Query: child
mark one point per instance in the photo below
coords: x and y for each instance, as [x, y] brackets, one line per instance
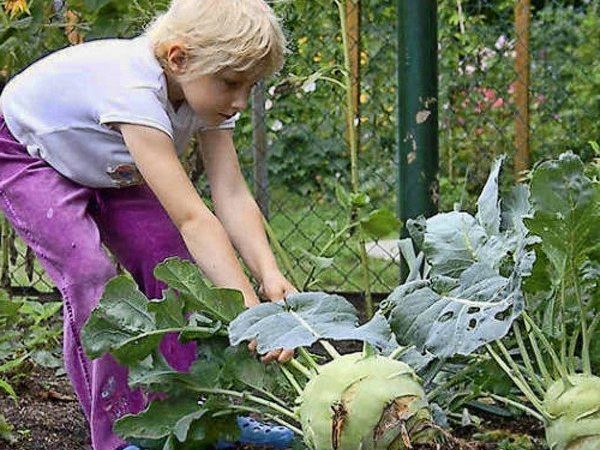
[89, 145]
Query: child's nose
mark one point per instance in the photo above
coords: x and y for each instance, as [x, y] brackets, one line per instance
[240, 102]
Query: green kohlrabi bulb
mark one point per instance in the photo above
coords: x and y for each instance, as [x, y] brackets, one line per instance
[364, 402]
[575, 412]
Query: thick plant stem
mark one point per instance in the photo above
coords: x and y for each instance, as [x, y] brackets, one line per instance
[520, 406]
[274, 418]
[309, 359]
[527, 360]
[353, 142]
[330, 349]
[522, 386]
[563, 322]
[572, 348]
[585, 337]
[518, 374]
[540, 359]
[300, 368]
[585, 350]
[244, 396]
[559, 367]
[291, 379]
[398, 352]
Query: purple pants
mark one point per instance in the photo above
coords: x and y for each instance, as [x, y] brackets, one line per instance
[66, 225]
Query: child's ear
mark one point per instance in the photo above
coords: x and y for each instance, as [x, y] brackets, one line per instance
[177, 58]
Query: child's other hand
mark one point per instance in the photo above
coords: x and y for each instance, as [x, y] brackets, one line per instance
[274, 287]
[280, 355]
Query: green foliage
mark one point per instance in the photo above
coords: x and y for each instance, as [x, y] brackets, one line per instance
[470, 293]
[6, 431]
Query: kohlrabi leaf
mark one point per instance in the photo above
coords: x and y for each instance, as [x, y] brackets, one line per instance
[451, 242]
[304, 319]
[160, 419]
[567, 211]
[488, 204]
[218, 303]
[471, 293]
[480, 310]
[125, 323]
[182, 419]
[454, 241]
[516, 207]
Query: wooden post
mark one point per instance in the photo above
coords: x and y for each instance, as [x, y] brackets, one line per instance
[259, 137]
[353, 32]
[522, 22]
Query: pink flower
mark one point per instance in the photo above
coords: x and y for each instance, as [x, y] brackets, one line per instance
[499, 103]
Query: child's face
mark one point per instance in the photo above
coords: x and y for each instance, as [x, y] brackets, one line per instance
[217, 97]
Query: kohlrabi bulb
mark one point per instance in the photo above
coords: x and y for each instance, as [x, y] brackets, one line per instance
[575, 412]
[364, 402]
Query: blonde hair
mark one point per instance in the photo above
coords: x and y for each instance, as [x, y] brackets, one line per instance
[221, 34]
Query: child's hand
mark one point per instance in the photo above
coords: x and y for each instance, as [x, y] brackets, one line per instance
[274, 287]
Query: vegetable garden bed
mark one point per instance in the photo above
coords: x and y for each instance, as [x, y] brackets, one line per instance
[48, 417]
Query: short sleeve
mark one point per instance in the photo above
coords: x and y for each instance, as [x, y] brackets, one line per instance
[139, 106]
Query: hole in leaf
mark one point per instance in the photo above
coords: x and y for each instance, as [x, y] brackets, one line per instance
[472, 324]
[503, 315]
[473, 309]
[446, 316]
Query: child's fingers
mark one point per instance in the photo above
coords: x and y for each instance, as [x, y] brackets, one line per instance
[285, 356]
[271, 356]
[252, 346]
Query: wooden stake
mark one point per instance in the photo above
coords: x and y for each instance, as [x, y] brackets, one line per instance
[522, 22]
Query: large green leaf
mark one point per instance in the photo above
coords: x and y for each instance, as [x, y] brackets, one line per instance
[479, 310]
[184, 276]
[567, 211]
[124, 323]
[304, 319]
[488, 205]
[179, 422]
[470, 290]
[380, 223]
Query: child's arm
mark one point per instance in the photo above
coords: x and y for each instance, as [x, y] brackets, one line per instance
[237, 210]
[156, 158]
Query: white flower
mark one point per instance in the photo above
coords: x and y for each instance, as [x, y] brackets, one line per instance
[277, 125]
[272, 91]
[501, 42]
[309, 87]
[268, 104]
[470, 69]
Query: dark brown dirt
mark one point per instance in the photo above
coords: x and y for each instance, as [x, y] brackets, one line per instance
[47, 416]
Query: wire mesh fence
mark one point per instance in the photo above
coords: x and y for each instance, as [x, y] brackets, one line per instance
[488, 105]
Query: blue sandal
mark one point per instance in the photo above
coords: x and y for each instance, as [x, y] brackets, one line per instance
[256, 433]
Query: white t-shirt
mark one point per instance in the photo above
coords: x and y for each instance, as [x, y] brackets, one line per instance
[60, 108]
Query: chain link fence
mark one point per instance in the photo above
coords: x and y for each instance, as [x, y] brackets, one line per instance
[487, 106]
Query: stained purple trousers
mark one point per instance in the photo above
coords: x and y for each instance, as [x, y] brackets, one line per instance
[67, 225]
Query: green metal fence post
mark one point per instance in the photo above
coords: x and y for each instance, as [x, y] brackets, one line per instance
[417, 108]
